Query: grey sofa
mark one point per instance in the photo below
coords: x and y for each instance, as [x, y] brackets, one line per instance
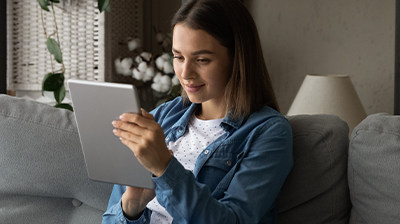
[43, 176]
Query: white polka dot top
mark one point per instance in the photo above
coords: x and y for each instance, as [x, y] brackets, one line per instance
[198, 135]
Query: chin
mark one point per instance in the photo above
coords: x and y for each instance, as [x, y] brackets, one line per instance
[195, 99]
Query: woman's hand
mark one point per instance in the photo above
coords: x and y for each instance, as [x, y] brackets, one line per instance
[145, 137]
[134, 201]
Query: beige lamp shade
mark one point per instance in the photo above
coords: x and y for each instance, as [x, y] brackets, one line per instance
[329, 94]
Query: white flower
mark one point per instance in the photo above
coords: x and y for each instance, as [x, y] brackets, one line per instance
[118, 67]
[146, 55]
[165, 56]
[157, 78]
[168, 68]
[162, 83]
[160, 63]
[123, 67]
[137, 74]
[149, 74]
[138, 59]
[175, 80]
[127, 63]
[156, 86]
[143, 66]
[134, 44]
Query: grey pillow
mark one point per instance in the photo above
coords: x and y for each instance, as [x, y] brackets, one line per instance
[316, 190]
[43, 177]
[374, 170]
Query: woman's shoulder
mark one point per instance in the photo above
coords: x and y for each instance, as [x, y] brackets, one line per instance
[268, 118]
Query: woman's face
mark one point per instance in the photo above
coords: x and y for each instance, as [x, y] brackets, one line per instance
[201, 64]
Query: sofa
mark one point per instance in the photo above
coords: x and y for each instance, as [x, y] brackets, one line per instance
[334, 180]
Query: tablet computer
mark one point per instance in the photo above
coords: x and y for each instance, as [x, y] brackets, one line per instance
[96, 105]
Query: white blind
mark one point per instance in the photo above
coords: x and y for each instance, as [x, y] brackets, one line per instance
[81, 43]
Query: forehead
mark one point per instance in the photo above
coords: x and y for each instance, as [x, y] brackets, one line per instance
[188, 40]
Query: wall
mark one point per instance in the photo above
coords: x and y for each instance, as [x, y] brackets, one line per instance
[158, 14]
[329, 37]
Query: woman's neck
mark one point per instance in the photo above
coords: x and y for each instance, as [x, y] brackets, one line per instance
[210, 111]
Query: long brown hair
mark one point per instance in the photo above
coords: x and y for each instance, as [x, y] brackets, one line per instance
[249, 87]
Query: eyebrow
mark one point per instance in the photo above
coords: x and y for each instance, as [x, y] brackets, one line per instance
[196, 52]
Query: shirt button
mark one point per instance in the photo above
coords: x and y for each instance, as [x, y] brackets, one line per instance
[122, 221]
[167, 138]
[206, 152]
[229, 163]
[144, 220]
[180, 130]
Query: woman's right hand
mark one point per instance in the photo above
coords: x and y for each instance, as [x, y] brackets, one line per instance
[134, 201]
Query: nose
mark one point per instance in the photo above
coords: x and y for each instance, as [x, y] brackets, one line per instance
[187, 70]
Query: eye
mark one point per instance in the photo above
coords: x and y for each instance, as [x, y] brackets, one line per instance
[203, 60]
[179, 58]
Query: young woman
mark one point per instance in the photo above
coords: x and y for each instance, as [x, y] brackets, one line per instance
[222, 151]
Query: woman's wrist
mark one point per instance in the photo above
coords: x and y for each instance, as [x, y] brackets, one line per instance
[131, 211]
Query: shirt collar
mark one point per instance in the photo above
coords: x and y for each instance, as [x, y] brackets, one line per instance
[227, 123]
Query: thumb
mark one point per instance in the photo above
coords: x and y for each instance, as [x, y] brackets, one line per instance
[146, 114]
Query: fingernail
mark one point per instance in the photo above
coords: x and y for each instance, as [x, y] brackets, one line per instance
[115, 130]
[114, 122]
[121, 117]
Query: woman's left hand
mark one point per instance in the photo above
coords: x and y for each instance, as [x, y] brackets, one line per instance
[145, 137]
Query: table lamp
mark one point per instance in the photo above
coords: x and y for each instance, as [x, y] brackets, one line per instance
[329, 94]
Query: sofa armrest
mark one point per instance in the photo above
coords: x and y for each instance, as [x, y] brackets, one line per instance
[43, 177]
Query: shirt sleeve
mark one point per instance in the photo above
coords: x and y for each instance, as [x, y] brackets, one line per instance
[114, 213]
[252, 190]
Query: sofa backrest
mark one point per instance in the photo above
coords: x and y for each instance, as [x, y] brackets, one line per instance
[374, 170]
[43, 175]
[316, 190]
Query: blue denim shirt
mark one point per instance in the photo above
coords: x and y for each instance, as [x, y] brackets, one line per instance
[236, 178]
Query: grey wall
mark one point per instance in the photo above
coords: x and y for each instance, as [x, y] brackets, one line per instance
[329, 37]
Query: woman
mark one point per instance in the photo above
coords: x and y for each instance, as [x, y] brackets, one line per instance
[221, 152]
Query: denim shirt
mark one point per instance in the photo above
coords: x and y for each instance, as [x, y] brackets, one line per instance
[236, 178]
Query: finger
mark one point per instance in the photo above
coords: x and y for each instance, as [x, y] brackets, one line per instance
[130, 127]
[136, 119]
[127, 136]
[147, 114]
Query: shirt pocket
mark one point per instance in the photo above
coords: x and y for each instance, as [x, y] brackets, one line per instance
[216, 168]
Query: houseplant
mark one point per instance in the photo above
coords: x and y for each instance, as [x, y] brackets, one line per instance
[54, 81]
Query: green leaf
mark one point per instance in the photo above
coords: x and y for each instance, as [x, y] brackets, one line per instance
[159, 94]
[174, 91]
[108, 9]
[59, 94]
[43, 4]
[55, 1]
[103, 4]
[64, 106]
[54, 49]
[52, 82]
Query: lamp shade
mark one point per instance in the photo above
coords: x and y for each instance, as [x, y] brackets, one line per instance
[329, 94]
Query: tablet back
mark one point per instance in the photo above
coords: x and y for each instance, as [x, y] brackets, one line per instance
[96, 105]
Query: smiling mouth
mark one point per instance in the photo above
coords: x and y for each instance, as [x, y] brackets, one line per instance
[193, 88]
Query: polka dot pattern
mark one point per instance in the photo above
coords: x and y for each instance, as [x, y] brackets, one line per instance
[198, 135]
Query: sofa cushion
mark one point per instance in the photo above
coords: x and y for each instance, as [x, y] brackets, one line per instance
[43, 177]
[316, 190]
[374, 170]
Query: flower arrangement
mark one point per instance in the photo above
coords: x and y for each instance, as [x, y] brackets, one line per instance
[149, 68]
